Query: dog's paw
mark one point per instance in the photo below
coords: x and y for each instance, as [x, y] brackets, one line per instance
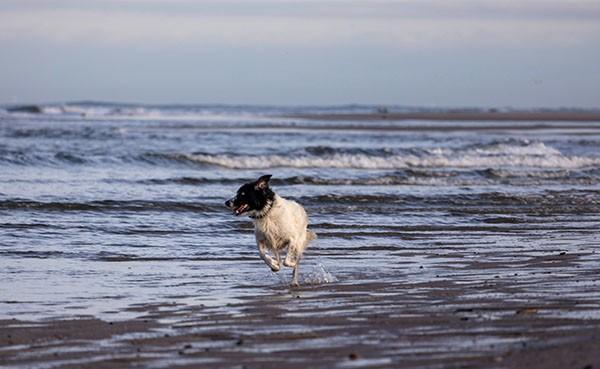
[290, 263]
[275, 268]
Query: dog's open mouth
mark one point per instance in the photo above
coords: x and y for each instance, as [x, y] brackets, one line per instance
[240, 209]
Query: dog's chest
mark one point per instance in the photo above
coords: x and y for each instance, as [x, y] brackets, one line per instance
[278, 227]
[274, 231]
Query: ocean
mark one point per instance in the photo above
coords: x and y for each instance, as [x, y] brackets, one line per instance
[104, 207]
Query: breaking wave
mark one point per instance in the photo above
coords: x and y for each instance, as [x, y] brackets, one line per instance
[111, 109]
[495, 161]
[536, 155]
[95, 109]
[114, 110]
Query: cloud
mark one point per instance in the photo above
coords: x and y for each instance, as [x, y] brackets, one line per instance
[420, 24]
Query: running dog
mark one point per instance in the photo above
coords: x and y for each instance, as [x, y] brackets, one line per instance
[278, 224]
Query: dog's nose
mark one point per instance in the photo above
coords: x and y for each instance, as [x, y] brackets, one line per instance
[228, 203]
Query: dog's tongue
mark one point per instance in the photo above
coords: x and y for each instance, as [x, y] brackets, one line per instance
[241, 209]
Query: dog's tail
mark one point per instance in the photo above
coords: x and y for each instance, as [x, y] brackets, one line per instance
[310, 235]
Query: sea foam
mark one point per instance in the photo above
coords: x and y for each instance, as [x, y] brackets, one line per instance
[537, 155]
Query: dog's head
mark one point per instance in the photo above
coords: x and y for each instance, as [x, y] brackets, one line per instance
[252, 198]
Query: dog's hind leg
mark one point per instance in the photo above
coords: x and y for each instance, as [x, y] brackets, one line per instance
[294, 252]
[295, 273]
[272, 263]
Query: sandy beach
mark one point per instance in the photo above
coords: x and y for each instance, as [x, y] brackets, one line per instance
[522, 116]
[389, 324]
[451, 115]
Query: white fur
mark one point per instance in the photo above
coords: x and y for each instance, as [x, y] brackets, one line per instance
[284, 226]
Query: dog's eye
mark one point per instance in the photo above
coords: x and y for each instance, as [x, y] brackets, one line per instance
[242, 194]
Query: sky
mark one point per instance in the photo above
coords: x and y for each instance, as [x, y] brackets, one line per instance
[437, 53]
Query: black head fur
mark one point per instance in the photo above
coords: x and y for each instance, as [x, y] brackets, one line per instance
[254, 198]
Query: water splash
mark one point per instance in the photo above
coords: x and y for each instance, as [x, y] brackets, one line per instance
[319, 275]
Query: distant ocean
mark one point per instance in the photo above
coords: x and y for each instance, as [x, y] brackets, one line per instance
[106, 205]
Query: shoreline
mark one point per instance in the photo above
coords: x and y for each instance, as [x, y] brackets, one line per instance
[559, 116]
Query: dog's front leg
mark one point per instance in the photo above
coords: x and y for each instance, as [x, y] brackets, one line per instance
[272, 263]
[277, 256]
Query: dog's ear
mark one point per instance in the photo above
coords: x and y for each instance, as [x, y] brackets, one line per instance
[263, 182]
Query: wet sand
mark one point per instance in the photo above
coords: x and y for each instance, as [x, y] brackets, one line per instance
[390, 323]
[551, 116]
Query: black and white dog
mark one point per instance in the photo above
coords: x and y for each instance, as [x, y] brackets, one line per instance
[278, 224]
